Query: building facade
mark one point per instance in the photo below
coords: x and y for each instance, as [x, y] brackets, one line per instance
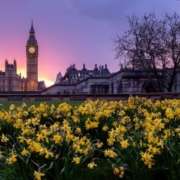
[98, 80]
[11, 81]
[101, 81]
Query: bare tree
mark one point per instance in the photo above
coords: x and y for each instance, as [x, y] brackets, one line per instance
[173, 46]
[153, 45]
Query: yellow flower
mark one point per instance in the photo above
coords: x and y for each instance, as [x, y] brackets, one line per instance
[55, 127]
[12, 159]
[92, 165]
[116, 171]
[121, 129]
[119, 171]
[27, 131]
[167, 134]
[40, 137]
[110, 153]
[148, 159]
[75, 119]
[122, 113]
[177, 131]
[78, 130]
[112, 137]
[21, 139]
[121, 174]
[124, 144]
[34, 146]
[57, 138]
[4, 138]
[18, 123]
[158, 124]
[82, 145]
[48, 154]
[153, 150]
[24, 152]
[105, 128]
[169, 113]
[64, 108]
[91, 124]
[99, 144]
[38, 175]
[12, 107]
[23, 105]
[76, 160]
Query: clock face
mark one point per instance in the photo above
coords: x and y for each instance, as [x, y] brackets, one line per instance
[32, 50]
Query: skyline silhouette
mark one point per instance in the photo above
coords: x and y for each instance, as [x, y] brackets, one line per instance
[69, 32]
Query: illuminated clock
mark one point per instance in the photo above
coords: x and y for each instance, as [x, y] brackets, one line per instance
[32, 50]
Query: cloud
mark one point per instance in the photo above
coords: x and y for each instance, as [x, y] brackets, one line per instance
[102, 9]
[113, 10]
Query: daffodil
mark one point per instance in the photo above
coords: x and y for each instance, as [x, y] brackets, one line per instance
[38, 175]
[110, 153]
[12, 159]
[57, 138]
[76, 160]
[124, 144]
[92, 165]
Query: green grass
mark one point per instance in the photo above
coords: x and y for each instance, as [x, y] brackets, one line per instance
[6, 104]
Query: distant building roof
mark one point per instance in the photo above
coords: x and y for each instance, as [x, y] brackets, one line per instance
[74, 75]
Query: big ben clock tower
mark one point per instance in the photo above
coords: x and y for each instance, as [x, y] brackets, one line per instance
[32, 61]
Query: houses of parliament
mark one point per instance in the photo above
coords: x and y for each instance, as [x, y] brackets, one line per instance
[78, 81]
[11, 81]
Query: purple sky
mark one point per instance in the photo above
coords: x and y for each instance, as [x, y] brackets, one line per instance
[69, 31]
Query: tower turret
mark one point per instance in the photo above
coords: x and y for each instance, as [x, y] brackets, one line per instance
[32, 60]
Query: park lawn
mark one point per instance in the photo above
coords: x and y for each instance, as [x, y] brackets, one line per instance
[5, 104]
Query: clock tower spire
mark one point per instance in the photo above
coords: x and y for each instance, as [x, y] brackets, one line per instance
[32, 60]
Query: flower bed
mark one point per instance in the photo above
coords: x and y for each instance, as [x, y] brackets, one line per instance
[134, 139]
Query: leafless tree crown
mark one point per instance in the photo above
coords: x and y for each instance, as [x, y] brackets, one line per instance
[152, 44]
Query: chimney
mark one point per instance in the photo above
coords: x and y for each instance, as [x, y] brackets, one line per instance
[84, 66]
[95, 67]
[15, 64]
[6, 65]
[6, 62]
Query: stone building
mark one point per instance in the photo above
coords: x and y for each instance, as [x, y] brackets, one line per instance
[32, 61]
[81, 81]
[101, 81]
[11, 81]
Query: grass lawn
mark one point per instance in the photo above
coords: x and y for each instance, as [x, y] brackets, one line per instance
[6, 104]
